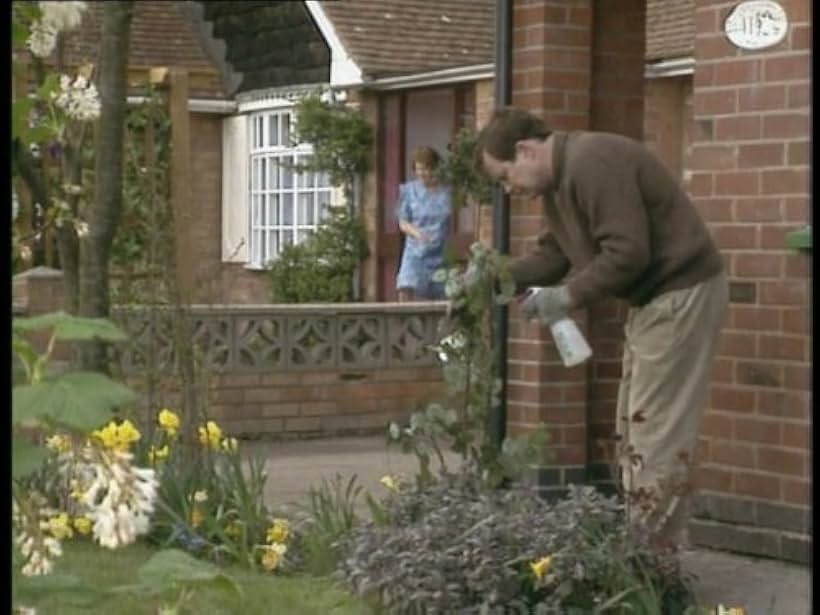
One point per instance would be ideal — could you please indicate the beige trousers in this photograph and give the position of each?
(668, 353)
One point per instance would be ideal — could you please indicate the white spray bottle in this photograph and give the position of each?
(571, 343)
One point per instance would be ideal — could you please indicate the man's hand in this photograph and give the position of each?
(546, 303)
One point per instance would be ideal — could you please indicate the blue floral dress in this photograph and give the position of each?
(429, 211)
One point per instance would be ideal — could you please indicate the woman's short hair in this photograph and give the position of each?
(425, 156)
(506, 127)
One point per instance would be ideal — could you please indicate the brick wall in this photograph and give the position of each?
(216, 282)
(617, 105)
(551, 76)
(313, 403)
(750, 179)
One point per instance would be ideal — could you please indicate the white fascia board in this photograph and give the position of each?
(437, 77)
(343, 70)
(197, 105)
(669, 68)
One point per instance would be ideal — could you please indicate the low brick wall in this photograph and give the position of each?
(320, 402)
(295, 370)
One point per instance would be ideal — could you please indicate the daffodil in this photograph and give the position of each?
(279, 531)
(158, 454)
(59, 443)
(82, 525)
(117, 437)
(389, 483)
(60, 526)
(230, 445)
(169, 421)
(210, 435)
(273, 555)
(541, 567)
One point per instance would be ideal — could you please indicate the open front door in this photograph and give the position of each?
(409, 120)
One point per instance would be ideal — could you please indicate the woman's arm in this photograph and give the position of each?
(410, 230)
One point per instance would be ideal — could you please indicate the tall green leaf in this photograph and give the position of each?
(26, 457)
(82, 400)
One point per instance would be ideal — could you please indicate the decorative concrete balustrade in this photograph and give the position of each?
(287, 337)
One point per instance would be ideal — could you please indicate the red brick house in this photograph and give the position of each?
(734, 123)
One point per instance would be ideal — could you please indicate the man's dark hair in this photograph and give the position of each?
(506, 127)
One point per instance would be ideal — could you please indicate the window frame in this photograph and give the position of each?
(275, 210)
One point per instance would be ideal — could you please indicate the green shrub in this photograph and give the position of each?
(452, 547)
(321, 269)
(324, 521)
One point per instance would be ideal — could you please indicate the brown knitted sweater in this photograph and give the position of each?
(620, 221)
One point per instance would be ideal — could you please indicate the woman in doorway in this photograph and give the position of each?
(424, 218)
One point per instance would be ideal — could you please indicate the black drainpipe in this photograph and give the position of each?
(501, 210)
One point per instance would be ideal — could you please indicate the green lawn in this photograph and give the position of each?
(263, 593)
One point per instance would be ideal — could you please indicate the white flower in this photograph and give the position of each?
(81, 228)
(450, 344)
(42, 39)
(25, 610)
(15, 204)
(79, 99)
(25, 253)
(120, 497)
(201, 496)
(62, 15)
(395, 431)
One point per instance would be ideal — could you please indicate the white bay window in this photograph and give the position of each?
(270, 203)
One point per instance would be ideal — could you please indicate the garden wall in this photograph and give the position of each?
(277, 370)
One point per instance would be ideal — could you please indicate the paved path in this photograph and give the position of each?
(763, 587)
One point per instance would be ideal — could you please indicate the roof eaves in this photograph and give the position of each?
(344, 72)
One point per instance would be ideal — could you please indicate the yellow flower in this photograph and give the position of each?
(158, 454)
(273, 556)
(59, 443)
(196, 517)
(117, 437)
(229, 445)
(168, 421)
(82, 525)
(60, 526)
(279, 531)
(541, 567)
(389, 483)
(210, 435)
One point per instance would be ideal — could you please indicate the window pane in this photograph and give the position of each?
(272, 247)
(285, 130)
(273, 129)
(255, 174)
(274, 210)
(305, 211)
(322, 180)
(262, 174)
(287, 209)
(287, 172)
(263, 219)
(273, 174)
(255, 210)
(287, 238)
(255, 247)
(264, 243)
